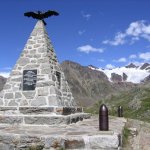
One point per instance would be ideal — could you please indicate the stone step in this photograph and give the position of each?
(84, 135)
(42, 119)
(40, 110)
(109, 141)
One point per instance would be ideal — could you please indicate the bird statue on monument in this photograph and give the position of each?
(40, 15)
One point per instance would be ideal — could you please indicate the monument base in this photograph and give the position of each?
(41, 115)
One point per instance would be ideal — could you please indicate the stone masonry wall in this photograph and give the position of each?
(38, 54)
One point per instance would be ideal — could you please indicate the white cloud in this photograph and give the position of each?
(135, 31)
(5, 74)
(145, 56)
(135, 28)
(88, 48)
(85, 15)
(123, 59)
(133, 56)
(118, 40)
(109, 66)
(146, 36)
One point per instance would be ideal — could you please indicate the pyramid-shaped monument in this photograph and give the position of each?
(37, 86)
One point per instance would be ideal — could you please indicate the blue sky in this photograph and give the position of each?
(104, 33)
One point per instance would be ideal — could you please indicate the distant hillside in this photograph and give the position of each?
(135, 103)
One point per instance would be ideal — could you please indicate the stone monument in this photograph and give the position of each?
(36, 104)
(36, 91)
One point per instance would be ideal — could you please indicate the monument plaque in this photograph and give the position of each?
(29, 80)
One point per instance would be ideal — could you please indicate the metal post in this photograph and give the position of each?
(103, 118)
(120, 111)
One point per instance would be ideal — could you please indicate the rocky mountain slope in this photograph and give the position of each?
(91, 85)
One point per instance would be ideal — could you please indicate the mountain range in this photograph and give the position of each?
(129, 73)
(90, 84)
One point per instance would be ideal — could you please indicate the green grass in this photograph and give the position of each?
(137, 95)
(126, 134)
(94, 109)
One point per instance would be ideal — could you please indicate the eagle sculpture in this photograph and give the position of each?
(41, 16)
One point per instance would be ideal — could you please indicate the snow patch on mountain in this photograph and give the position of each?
(5, 74)
(135, 75)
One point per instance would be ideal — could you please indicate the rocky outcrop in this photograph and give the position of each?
(124, 77)
(131, 65)
(92, 67)
(116, 78)
(145, 66)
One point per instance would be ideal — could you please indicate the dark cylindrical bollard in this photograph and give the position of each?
(103, 118)
(120, 111)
